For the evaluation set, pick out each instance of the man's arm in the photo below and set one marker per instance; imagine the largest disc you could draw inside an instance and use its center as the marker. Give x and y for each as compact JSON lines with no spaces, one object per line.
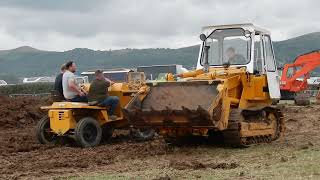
{"x":74,"y":87}
{"x":108,"y":80}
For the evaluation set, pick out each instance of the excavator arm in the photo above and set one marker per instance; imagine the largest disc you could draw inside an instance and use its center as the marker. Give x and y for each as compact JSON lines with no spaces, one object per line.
{"x":301,"y":68}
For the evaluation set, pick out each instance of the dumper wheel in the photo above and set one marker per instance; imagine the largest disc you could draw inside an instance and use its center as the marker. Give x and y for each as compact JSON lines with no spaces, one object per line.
{"x":144,"y":134}
{"x":44,"y":134}
{"x":88,"y":132}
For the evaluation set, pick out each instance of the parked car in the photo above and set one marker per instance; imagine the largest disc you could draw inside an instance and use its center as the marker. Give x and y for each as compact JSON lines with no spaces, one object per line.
{"x":3,"y":83}
{"x":38,"y":79}
{"x":81,"y":79}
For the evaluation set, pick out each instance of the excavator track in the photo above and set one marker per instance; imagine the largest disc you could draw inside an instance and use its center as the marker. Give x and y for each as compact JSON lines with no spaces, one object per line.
{"x":232,"y":136}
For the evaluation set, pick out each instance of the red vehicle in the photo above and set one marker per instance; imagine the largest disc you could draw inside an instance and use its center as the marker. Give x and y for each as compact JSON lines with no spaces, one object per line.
{"x":294,"y":77}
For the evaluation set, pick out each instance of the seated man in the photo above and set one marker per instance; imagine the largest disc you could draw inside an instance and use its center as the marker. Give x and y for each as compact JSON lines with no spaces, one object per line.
{"x":71,"y":89}
{"x":98,"y":93}
{"x":234,"y":58}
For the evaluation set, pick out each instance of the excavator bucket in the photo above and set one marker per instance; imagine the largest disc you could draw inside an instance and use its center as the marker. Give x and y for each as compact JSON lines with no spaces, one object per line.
{"x":176,"y":104}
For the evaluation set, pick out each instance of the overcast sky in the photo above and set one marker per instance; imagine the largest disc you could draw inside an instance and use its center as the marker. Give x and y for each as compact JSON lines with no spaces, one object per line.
{"x":107,"y":24}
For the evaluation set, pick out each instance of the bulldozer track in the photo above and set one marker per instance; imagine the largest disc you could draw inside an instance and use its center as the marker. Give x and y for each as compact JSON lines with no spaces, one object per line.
{"x":232,"y":134}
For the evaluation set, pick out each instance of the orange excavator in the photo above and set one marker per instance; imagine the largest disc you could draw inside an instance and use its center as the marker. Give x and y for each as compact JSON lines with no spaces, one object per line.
{"x":294,"y":77}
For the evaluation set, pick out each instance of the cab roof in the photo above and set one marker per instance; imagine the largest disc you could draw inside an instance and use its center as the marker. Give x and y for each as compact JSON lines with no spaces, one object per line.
{"x":246,"y":26}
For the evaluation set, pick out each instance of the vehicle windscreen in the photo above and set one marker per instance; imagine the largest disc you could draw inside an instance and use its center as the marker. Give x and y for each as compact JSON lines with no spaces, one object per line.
{"x":228,"y":46}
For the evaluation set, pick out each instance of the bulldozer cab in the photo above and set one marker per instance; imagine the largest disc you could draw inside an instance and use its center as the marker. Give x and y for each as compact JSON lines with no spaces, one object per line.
{"x":240,"y":45}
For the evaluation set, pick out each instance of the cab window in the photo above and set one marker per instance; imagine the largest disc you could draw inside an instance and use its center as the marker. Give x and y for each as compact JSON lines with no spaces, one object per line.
{"x":269,"y":54}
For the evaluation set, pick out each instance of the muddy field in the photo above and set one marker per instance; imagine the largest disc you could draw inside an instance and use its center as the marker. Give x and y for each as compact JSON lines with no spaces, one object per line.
{"x":296,"y":156}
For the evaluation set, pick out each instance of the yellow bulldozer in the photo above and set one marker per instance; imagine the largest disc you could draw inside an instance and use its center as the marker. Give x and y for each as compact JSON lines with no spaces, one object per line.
{"x":230,"y":94}
{"x":86,"y":124}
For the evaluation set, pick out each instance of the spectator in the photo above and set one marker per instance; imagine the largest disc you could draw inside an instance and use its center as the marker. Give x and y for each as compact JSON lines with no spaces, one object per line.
{"x":58,"y":83}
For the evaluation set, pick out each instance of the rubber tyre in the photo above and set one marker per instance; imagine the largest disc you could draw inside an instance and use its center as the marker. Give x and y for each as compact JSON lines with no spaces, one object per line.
{"x":143,"y":134}
{"x":88,"y":132}
{"x":43,"y":133}
{"x":302,"y":99}
{"x":302,"y":102}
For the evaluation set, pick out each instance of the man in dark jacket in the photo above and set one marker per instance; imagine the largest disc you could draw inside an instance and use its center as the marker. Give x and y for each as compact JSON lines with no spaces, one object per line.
{"x":58,"y":82}
{"x":234,"y":58}
{"x":98,"y":93}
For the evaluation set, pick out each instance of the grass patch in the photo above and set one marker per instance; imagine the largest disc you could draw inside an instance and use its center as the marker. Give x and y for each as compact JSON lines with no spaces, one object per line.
{"x":257,"y":162}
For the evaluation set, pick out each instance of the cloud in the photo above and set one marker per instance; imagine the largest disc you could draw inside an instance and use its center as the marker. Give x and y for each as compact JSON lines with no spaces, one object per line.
{"x":115,"y":24}
{"x":56,"y":5}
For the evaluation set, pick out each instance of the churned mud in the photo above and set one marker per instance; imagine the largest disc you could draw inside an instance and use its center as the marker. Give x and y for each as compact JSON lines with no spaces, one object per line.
{"x":22,"y":157}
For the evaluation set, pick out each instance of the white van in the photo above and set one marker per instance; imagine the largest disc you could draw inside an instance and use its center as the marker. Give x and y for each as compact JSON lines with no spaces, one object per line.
{"x":3,"y":82}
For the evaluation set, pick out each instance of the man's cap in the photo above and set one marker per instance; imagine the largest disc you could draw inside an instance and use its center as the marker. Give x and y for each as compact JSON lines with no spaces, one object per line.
{"x":97,"y":72}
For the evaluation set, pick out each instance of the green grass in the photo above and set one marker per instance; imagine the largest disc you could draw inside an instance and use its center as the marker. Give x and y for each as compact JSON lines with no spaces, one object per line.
{"x":29,"y":88}
{"x":257,"y":162}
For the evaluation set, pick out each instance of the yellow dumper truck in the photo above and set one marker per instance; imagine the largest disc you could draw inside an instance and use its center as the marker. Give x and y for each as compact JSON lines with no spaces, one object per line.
{"x":86,"y":124}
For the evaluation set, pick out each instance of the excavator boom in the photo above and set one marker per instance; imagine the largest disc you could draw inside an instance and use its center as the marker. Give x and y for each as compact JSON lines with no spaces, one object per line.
{"x":291,"y":84}
{"x":302,"y":67}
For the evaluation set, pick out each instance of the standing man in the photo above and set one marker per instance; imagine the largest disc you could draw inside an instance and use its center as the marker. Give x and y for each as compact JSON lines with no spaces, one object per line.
{"x":71,"y":89}
{"x":58,"y":83}
{"x":98,"y":93}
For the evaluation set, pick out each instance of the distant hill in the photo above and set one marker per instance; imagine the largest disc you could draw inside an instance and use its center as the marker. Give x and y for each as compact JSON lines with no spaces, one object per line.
{"x":27,"y":61}
{"x":288,"y":50}
{"x":22,"y":49}
{"x":39,"y":63}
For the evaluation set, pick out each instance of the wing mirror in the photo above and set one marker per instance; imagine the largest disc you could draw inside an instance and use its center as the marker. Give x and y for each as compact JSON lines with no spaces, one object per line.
{"x":247,"y":34}
{"x":203,"y":37}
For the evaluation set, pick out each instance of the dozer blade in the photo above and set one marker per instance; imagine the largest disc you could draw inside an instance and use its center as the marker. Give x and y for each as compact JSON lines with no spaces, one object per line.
{"x":176,"y":104}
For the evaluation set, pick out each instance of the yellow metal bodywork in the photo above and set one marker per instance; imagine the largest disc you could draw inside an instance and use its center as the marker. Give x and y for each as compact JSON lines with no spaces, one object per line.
{"x":237,"y":89}
{"x":65,"y":115}
{"x":61,"y":121}
{"x":242,"y":89}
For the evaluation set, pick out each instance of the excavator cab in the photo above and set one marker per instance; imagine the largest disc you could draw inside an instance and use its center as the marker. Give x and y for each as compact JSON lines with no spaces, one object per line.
{"x":293,"y":84}
{"x":230,"y":93}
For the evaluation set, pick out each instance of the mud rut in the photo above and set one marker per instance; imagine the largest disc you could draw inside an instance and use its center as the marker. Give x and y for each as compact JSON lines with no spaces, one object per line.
{"x":22,"y":157}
